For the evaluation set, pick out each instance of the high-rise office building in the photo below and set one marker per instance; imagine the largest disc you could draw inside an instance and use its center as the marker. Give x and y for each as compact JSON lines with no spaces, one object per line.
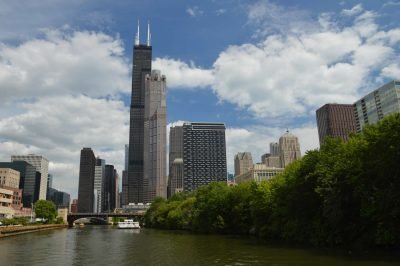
{"x":377,"y":104}
{"x":176,"y":177}
{"x":99,"y":176}
{"x":155,"y":137}
{"x":175,"y":143}
{"x":335,"y":120}
{"x":142,"y":54}
{"x":264,"y":157}
{"x":42,"y":165}
{"x":126,"y":157}
{"x":274,"y":149}
{"x":86,"y":181}
{"x":117,"y":199}
{"x":110,"y":189}
{"x":124,"y":193}
{"x":272,"y":159}
{"x":204,"y":154}
{"x":27,"y":182}
{"x":243,"y":162}
{"x":61,"y":199}
{"x":175,"y":184}
{"x":289,"y":149}
{"x":49,"y":181}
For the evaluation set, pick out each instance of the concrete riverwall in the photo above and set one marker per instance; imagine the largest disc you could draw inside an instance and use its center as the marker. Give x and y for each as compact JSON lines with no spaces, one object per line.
{"x":17,"y":230}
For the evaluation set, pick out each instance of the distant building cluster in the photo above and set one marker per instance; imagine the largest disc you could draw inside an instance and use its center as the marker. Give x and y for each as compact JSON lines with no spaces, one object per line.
{"x":25,"y":180}
{"x":197,"y":150}
{"x":98,"y":185}
{"x":280,"y":155}
{"x":340,"y":120}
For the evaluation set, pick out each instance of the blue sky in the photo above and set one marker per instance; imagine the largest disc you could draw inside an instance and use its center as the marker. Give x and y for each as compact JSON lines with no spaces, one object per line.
{"x":258,"y":66}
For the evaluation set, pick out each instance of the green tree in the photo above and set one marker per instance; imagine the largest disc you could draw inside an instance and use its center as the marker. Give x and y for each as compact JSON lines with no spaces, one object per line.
{"x":45,"y":209}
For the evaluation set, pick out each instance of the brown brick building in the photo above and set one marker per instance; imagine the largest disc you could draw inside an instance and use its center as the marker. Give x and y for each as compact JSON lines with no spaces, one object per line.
{"x":335,"y":120}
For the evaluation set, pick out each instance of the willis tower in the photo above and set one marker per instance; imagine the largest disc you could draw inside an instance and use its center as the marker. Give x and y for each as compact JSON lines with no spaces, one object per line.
{"x":142,"y":54}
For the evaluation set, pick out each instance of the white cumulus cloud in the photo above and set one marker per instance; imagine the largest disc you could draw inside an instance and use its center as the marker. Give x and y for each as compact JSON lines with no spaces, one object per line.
{"x":182,"y":75}
{"x":355,"y":10}
{"x":290,"y":73}
{"x":59,"y":127}
{"x":78,"y":62}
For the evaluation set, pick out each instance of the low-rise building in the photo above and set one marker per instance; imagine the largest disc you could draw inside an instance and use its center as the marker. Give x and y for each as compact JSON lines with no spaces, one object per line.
{"x":63,"y":213}
{"x":259,"y":172}
{"x":74,"y":206}
{"x":6,"y":200}
{"x":10,"y":179}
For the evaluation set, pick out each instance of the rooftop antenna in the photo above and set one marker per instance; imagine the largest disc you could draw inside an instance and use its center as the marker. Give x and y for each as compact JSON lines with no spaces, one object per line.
{"x":148,"y":34}
{"x":137,"y":34}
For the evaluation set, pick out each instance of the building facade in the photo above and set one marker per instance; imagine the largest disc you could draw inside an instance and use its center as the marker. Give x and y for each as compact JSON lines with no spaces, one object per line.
{"x":98,"y":192}
{"x":289,"y":149}
{"x":42,"y":166}
{"x":59,"y":198}
{"x":111,"y":190}
{"x":264,"y":157}
{"x":6,"y":195}
{"x":142,"y":55}
{"x":10,"y":179}
{"x":176,"y":177}
{"x":155,"y":137}
{"x":274,"y":149}
{"x":74,"y":206}
{"x":49,"y":181}
{"x":86,"y":181}
{"x":124,"y":193}
{"x":258,"y":173}
{"x":204,"y":154}
{"x":335,"y":120}
{"x":28,"y":182}
{"x":243,"y":162}
{"x":273,"y":159}
{"x":175,"y":152}
{"x":377,"y":104}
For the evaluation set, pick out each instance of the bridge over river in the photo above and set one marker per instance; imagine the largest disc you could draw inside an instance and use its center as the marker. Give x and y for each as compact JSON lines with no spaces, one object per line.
{"x":136,"y":215}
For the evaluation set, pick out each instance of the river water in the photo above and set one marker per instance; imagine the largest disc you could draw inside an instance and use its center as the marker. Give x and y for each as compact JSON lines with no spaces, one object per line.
{"x":104,"y":245}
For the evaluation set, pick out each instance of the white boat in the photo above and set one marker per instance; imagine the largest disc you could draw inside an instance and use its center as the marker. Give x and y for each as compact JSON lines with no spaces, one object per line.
{"x":128,"y":224}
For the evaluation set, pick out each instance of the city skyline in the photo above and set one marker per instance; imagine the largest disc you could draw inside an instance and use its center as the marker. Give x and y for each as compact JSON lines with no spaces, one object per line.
{"x":336,"y":52}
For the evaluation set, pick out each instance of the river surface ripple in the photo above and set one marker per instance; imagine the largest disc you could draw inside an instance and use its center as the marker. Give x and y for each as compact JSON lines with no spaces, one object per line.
{"x":105,"y":245}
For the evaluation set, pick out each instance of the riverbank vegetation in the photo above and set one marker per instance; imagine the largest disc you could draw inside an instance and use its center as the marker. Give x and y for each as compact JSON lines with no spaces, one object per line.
{"x":345,"y":194}
{"x":46,"y":210}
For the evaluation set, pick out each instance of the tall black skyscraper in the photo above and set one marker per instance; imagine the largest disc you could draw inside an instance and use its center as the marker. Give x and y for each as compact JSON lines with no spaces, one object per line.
{"x":141,"y":67}
{"x":86,"y":180}
{"x":110,"y":188}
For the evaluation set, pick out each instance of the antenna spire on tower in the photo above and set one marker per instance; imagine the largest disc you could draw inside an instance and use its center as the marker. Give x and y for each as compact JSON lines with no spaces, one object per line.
{"x":148,"y":34}
{"x":137,"y":40}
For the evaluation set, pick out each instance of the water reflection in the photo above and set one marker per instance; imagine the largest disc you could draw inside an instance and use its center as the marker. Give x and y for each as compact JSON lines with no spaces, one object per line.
{"x":105,"y":245}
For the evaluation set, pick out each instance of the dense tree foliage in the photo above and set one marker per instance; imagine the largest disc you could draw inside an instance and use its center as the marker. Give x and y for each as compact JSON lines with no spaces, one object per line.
{"x":15,"y":221}
{"x":45,"y":209}
{"x":345,"y":194}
